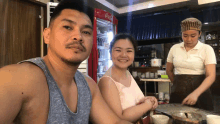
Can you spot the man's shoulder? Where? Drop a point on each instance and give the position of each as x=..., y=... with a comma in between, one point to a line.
x=24, y=73
x=91, y=83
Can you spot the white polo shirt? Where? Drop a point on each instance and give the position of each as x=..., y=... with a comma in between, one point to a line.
x=192, y=62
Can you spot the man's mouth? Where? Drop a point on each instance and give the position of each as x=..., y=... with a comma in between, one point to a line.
x=76, y=47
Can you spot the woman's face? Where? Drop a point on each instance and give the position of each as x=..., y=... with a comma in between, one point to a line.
x=190, y=38
x=123, y=53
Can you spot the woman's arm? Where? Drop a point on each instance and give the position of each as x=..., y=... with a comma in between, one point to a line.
x=209, y=80
x=110, y=94
x=169, y=70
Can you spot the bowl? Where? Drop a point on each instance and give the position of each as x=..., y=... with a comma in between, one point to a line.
x=186, y=118
x=160, y=119
x=213, y=119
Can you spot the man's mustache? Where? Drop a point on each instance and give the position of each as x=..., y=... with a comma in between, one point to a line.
x=80, y=45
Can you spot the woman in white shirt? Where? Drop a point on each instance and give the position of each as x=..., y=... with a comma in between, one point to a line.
x=191, y=66
x=119, y=88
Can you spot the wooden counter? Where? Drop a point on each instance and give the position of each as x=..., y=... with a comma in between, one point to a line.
x=155, y=80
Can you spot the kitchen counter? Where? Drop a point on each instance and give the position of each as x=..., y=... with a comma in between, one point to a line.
x=155, y=80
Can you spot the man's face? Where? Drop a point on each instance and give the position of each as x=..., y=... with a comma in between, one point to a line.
x=70, y=36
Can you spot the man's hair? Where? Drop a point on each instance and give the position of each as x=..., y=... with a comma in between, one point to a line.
x=79, y=5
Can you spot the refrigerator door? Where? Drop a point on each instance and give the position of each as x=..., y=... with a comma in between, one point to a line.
x=104, y=29
x=105, y=33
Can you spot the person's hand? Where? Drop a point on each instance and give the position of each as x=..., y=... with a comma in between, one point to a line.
x=153, y=100
x=149, y=103
x=191, y=99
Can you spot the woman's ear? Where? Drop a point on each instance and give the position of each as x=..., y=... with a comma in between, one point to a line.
x=200, y=33
x=46, y=35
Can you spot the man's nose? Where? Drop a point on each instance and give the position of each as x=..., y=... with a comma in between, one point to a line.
x=77, y=36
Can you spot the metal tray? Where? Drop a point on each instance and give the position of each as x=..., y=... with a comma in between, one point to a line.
x=167, y=109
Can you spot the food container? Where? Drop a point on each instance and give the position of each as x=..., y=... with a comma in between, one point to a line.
x=136, y=64
x=147, y=74
x=156, y=62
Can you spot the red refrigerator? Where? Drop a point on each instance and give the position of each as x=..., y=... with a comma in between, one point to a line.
x=105, y=27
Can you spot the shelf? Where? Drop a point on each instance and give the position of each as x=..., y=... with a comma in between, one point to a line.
x=103, y=59
x=101, y=47
x=102, y=35
x=212, y=40
x=101, y=73
x=142, y=57
x=158, y=41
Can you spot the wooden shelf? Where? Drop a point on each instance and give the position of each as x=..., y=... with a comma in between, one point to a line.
x=158, y=41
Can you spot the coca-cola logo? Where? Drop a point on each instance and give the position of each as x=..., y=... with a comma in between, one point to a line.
x=108, y=16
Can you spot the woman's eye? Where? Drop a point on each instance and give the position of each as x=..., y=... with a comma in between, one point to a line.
x=118, y=50
x=192, y=36
x=129, y=51
x=67, y=27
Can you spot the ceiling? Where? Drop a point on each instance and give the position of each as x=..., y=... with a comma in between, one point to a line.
x=123, y=3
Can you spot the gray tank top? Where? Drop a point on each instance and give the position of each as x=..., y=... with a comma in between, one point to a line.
x=59, y=113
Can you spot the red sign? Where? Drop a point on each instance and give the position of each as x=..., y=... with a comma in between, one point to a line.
x=106, y=16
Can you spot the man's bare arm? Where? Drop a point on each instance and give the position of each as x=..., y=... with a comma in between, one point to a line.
x=10, y=93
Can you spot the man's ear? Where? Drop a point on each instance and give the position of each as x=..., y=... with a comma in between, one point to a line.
x=46, y=35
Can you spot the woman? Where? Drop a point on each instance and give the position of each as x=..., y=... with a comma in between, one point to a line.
x=194, y=64
x=118, y=87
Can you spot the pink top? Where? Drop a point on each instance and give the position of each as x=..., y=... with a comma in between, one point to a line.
x=129, y=96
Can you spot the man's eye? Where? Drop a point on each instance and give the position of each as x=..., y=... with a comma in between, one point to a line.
x=192, y=36
x=129, y=51
x=67, y=27
x=118, y=50
x=184, y=36
x=86, y=32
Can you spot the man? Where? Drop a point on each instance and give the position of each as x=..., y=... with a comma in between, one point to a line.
x=50, y=89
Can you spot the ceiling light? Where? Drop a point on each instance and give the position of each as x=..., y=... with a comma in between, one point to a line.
x=206, y=23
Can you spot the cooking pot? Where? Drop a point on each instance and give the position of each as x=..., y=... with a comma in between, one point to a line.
x=156, y=62
x=186, y=118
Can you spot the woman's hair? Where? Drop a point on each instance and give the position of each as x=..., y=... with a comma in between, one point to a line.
x=123, y=36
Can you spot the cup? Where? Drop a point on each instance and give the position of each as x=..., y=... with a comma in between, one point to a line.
x=156, y=75
x=152, y=75
x=147, y=74
x=161, y=96
x=143, y=75
x=160, y=119
x=213, y=119
x=139, y=74
x=134, y=74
